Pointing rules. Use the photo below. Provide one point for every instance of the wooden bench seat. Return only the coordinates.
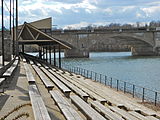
(45, 66)
(17, 58)
(31, 62)
(106, 111)
(71, 86)
(59, 84)
(92, 94)
(65, 106)
(87, 110)
(24, 60)
(138, 115)
(1, 85)
(29, 74)
(48, 84)
(38, 64)
(10, 70)
(123, 113)
(1, 80)
(151, 118)
(99, 91)
(38, 106)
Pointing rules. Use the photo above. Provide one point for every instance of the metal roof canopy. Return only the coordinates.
(29, 34)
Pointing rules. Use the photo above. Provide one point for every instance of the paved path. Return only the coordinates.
(15, 95)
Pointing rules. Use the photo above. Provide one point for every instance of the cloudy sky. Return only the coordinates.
(84, 12)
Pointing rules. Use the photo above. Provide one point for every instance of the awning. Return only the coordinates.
(32, 35)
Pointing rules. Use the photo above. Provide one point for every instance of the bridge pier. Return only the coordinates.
(76, 53)
(142, 51)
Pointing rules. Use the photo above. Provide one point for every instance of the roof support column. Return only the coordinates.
(50, 55)
(22, 48)
(46, 54)
(54, 56)
(43, 52)
(59, 47)
(40, 53)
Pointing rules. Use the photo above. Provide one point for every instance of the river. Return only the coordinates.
(141, 70)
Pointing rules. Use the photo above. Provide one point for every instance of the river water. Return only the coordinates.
(141, 71)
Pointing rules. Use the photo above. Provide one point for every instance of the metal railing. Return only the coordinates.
(145, 94)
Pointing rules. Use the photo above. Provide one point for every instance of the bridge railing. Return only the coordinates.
(146, 95)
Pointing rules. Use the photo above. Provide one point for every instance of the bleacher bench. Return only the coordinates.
(10, 70)
(48, 84)
(71, 86)
(65, 106)
(106, 111)
(38, 106)
(1, 85)
(87, 110)
(123, 113)
(59, 84)
(29, 74)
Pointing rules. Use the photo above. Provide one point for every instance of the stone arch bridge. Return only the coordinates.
(139, 42)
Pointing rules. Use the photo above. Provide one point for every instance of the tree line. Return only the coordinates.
(152, 24)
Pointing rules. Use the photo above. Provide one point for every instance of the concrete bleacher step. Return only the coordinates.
(38, 106)
(59, 84)
(65, 106)
(48, 84)
(71, 86)
(86, 108)
(106, 111)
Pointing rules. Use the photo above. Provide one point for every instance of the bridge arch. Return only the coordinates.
(120, 43)
(140, 43)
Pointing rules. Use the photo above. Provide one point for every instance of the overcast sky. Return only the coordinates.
(83, 12)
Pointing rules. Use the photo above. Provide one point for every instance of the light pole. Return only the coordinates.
(2, 35)
(17, 46)
(10, 19)
(13, 32)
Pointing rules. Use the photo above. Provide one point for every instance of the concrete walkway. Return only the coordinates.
(15, 95)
